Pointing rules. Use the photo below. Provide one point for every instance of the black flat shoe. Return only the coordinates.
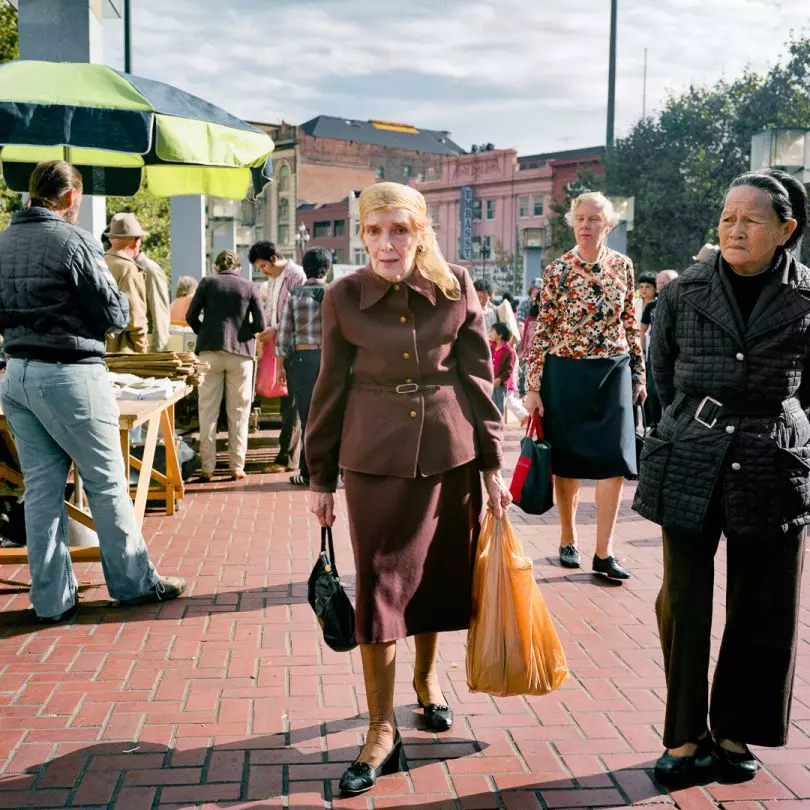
(360, 776)
(62, 617)
(569, 556)
(697, 769)
(437, 716)
(609, 567)
(734, 767)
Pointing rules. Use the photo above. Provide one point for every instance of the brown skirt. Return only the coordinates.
(414, 542)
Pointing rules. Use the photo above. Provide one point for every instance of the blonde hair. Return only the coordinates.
(598, 199)
(227, 260)
(429, 260)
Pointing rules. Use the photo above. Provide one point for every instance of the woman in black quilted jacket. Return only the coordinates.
(731, 456)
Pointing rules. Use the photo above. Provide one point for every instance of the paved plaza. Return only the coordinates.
(228, 698)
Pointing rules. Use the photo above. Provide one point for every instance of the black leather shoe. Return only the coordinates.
(360, 776)
(697, 769)
(437, 716)
(609, 567)
(569, 556)
(735, 767)
(62, 617)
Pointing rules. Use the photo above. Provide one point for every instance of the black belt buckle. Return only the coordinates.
(713, 412)
(407, 388)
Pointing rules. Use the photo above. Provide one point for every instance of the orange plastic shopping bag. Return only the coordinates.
(512, 646)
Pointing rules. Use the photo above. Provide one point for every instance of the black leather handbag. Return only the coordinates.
(332, 606)
(641, 433)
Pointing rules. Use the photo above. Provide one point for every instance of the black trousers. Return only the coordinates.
(305, 368)
(753, 681)
(289, 439)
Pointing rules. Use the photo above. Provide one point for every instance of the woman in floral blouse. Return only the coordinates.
(587, 361)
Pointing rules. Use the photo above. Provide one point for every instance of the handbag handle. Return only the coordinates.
(326, 538)
(535, 427)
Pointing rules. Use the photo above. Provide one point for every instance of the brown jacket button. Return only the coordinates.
(406, 356)
(403, 319)
(413, 414)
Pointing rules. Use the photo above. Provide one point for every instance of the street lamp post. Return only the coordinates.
(301, 240)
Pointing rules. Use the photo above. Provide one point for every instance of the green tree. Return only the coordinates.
(679, 163)
(153, 214)
(9, 49)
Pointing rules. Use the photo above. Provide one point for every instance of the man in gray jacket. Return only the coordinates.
(58, 303)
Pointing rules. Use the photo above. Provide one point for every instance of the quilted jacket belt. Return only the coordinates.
(708, 410)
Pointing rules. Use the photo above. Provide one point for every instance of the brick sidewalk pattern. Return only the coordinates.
(229, 699)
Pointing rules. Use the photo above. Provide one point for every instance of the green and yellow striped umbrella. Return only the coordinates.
(122, 130)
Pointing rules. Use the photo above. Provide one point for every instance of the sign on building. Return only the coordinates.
(466, 209)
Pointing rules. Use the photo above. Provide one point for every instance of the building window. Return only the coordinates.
(381, 172)
(284, 234)
(357, 227)
(523, 207)
(435, 216)
(360, 257)
(476, 209)
(538, 205)
(420, 178)
(486, 248)
(283, 212)
(490, 209)
(340, 227)
(339, 256)
(407, 171)
(283, 179)
(321, 230)
(476, 247)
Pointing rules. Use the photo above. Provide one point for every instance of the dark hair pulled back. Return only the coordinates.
(788, 197)
(50, 181)
(502, 331)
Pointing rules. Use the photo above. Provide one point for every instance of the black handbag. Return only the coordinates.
(332, 606)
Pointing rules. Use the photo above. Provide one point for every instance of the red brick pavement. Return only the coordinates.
(228, 699)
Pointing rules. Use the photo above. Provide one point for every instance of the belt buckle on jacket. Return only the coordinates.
(407, 388)
(703, 403)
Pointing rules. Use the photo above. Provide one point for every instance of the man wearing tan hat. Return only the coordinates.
(125, 235)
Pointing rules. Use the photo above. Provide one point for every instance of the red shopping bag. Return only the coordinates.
(532, 485)
(267, 384)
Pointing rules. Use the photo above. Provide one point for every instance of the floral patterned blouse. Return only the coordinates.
(602, 291)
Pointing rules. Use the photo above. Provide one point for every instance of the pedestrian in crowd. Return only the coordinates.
(504, 362)
(645, 294)
(58, 301)
(526, 338)
(282, 277)
(186, 287)
(226, 315)
(404, 404)
(125, 236)
(652, 407)
(483, 289)
(157, 303)
(300, 338)
(526, 302)
(730, 456)
(506, 314)
(586, 354)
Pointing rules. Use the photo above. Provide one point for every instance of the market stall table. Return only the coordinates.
(158, 417)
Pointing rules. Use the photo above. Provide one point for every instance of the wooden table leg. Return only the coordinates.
(145, 475)
(124, 434)
(173, 471)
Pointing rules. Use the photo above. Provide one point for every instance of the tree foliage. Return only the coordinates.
(679, 163)
(154, 215)
(9, 49)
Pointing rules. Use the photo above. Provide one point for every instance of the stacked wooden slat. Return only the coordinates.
(184, 366)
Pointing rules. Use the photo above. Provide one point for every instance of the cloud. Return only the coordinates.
(525, 73)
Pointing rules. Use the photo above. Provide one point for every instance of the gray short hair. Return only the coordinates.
(186, 285)
(598, 199)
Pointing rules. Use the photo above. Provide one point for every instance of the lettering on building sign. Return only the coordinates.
(466, 209)
(477, 169)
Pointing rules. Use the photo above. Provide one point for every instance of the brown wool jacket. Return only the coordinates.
(378, 337)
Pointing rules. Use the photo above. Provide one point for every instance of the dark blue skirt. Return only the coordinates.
(588, 419)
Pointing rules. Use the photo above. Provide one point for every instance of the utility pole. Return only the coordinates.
(127, 37)
(611, 111)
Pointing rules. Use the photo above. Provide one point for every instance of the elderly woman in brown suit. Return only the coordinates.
(403, 404)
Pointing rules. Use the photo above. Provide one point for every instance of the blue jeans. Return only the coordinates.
(499, 397)
(58, 412)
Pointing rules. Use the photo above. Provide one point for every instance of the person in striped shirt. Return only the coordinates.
(299, 340)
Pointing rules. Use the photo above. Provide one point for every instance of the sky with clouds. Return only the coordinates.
(530, 74)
